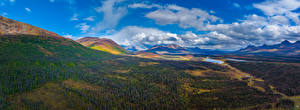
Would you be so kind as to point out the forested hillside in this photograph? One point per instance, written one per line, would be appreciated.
(285, 77)
(40, 72)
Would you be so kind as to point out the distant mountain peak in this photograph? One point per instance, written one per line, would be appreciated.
(250, 46)
(284, 48)
(170, 46)
(177, 49)
(286, 42)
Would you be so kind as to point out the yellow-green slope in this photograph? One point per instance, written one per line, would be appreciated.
(103, 44)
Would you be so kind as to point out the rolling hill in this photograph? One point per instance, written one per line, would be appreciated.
(31, 56)
(13, 27)
(102, 44)
(23, 40)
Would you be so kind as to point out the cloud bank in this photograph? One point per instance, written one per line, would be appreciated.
(112, 14)
(185, 18)
(278, 23)
(143, 38)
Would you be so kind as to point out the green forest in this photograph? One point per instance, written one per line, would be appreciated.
(46, 73)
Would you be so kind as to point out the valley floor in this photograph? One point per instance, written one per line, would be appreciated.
(151, 84)
(44, 73)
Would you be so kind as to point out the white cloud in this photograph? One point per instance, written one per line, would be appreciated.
(212, 12)
(4, 14)
(28, 10)
(278, 19)
(141, 38)
(74, 17)
(83, 27)
(236, 5)
(144, 38)
(90, 18)
(70, 2)
(219, 36)
(280, 7)
(272, 28)
(112, 13)
(271, 7)
(257, 30)
(68, 36)
(185, 18)
(142, 5)
(253, 30)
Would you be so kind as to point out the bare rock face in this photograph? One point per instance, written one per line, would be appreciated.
(12, 27)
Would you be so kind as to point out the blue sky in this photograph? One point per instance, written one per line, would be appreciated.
(140, 24)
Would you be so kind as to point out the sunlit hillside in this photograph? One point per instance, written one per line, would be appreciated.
(149, 55)
(103, 44)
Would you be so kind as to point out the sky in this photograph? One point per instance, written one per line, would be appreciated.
(140, 24)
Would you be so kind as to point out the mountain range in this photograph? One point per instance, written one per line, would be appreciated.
(176, 49)
(285, 48)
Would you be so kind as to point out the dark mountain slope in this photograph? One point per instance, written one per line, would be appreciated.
(176, 49)
(166, 49)
(285, 48)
